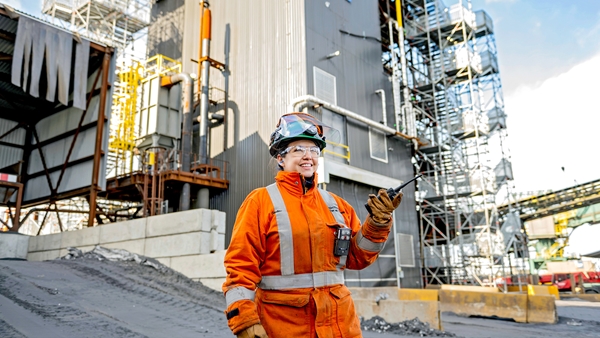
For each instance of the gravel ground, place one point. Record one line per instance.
(494, 328)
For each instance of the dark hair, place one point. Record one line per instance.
(279, 149)
(282, 146)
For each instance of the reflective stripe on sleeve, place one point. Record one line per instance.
(306, 280)
(284, 227)
(239, 293)
(367, 244)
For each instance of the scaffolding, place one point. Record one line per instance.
(453, 93)
(123, 132)
(132, 76)
(114, 22)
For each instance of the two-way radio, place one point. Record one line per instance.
(392, 192)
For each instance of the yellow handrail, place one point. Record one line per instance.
(347, 156)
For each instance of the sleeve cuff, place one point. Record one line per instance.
(376, 232)
(247, 316)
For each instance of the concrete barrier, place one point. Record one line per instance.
(390, 292)
(469, 288)
(536, 290)
(208, 269)
(487, 304)
(418, 294)
(543, 290)
(13, 245)
(394, 311)
(385, 302)
(182, 241)
(541, 309)
(392, 303)
(516, 288)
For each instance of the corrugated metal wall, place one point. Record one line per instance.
(267, 65)
(267, 70)
(11, 155)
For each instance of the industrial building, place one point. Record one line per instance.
(413, 87)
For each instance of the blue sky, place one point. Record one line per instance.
(549, 53)
(538, 39)
(549, 56)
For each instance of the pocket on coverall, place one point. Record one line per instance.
(284, 314)
(346, 314)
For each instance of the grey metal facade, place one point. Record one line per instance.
(271, 48)
(359, 73)
(266, 63)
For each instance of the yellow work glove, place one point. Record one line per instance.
(382, 207)
(254, 331)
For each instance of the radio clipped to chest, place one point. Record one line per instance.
(342, 241)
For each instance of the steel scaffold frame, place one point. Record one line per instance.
(456, 96)
(114, 22)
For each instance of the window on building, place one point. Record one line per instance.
(378, 145)
(406, 253)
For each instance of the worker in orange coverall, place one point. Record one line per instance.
(291, 242)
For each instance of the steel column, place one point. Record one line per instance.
(99, 133)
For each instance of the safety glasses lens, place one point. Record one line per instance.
(299, 151)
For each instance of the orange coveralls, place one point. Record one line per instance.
(256, 288)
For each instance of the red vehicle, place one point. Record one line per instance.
(590, 280)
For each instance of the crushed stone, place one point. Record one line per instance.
(412, 327)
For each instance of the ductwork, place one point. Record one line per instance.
(186, 133)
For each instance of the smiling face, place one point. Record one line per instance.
(303, 162)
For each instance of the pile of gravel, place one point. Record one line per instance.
(413, 327)
(126, 267)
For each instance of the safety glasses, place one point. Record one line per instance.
(301, 151)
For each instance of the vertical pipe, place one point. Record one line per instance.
(203, 193)
(408, 119)
(383, 110)
(186, 138)
(395, 82)
(201, 16)
(203, 198)
(99, 137)
(145, 211)
(226, 89)
(203, 118)
(153, 199)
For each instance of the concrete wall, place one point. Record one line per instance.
(191, 242)
(13, 245)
